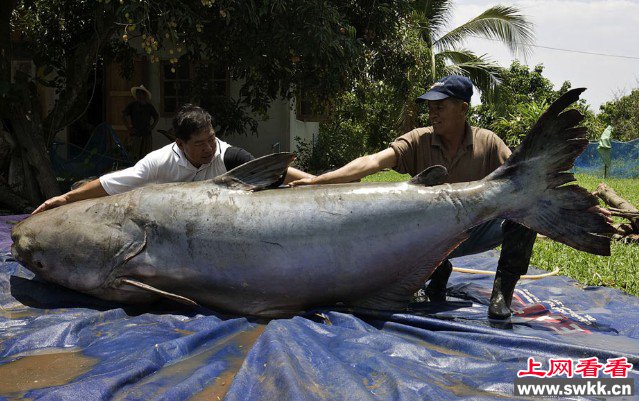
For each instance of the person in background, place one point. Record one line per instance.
(140, 118)
(197, 154)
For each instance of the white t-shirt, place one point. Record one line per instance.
(167, 164)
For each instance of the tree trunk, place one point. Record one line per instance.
(21, 103)
(611, 198)
(28, 132)
(6, 8)
(12, 201)
(624, 229)
(20, 107)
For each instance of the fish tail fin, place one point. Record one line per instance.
(537, 174)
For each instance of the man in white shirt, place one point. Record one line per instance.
(195, 155)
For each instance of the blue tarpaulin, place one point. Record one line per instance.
(56, 344)
(624, 160)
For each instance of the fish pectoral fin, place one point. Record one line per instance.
(261, 173)
(434, 175)
(159, 292)
(397, 295)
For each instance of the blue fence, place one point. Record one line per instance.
(625, 160)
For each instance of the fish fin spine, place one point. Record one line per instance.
(537, 173)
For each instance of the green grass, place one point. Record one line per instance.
(620, 270)
(386, 176)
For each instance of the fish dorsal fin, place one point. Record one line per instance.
(169, 295)
(434, 175)
(264, 172)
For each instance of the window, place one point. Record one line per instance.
(180, 87)
(220, 83)
(210, 91)
(176, 86)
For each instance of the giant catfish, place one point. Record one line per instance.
(234, 245)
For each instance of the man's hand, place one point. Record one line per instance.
(52, 203)
(295, 175)
(90, 190)
(303, 181)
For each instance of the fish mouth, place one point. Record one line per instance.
(23, 252)
(14, 253)
(24, 256)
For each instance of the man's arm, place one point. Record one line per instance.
(155, 116)
(293, 174)
(154, 123)
(89, 190)
(127, 122)
(235, 156)
(355, 170)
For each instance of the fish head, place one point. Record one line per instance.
(24, 248)
(59, 252)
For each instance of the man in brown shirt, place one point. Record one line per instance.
(469, 153)
(479, 154)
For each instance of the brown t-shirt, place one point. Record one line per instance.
(481, 152)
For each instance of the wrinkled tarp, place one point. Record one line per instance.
(624, 160)
(56, 344)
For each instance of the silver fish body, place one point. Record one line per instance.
(274, 252)
(270, 252)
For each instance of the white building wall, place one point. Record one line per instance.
(272, 133)
(277, 133)
(304, 130)
(154, 79)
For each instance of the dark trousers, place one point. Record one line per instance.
(516, 241)
(140, 146)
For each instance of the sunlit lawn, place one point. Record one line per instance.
(620, 270)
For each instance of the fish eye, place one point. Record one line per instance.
(39, 265)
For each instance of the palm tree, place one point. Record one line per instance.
(441, 53)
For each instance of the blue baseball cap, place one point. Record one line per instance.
(451, 86)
